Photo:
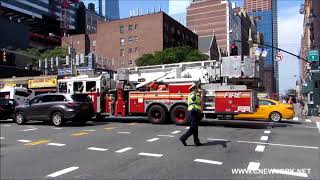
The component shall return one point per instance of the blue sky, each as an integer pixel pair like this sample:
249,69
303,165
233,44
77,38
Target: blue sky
289,32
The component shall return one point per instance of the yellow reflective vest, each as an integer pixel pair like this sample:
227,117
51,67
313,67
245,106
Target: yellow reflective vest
194,102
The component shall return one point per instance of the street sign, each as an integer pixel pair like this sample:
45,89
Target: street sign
313,55
279,56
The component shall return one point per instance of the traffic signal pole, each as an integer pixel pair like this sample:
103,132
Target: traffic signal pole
265,45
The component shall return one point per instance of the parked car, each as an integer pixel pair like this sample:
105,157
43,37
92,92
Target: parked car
57,108
270,110
7,107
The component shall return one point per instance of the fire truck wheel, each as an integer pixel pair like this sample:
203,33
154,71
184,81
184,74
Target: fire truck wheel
156,114
179,115
275,117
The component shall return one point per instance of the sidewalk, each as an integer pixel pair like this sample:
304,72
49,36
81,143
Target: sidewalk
315,118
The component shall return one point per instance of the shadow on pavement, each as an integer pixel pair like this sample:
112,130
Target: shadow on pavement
67,124
6,121
217,142
242,124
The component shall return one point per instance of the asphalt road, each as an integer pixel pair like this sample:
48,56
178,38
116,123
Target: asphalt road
135,149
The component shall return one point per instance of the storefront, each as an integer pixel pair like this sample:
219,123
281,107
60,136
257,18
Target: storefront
43,85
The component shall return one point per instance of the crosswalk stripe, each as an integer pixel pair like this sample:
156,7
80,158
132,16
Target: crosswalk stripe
124,150
153,139
97,149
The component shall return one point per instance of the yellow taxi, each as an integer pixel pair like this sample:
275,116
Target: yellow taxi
270,110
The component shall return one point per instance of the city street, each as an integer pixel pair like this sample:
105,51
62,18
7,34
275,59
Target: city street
136,149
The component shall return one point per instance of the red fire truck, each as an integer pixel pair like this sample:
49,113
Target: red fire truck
159,98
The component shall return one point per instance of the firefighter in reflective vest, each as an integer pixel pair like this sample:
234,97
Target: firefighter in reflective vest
194,108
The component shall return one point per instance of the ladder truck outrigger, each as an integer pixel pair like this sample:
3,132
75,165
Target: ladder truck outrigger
160,92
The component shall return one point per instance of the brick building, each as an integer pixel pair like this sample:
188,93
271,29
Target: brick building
119,43
216,17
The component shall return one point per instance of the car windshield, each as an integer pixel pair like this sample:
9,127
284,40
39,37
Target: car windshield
81,98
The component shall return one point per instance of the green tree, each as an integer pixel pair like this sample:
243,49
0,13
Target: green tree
171,55
41,53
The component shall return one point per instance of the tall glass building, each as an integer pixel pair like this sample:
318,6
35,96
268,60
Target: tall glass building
112,9
265,13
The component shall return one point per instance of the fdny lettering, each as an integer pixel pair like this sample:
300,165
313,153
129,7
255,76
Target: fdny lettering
232,94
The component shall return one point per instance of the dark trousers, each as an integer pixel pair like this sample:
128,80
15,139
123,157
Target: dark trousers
194,116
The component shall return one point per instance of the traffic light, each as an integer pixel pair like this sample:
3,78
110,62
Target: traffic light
234,50
4,53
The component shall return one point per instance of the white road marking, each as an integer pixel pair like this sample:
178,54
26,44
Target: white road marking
150,154
165,136
187,127
124,132
7,125
211,139
64,171
89,130
24,140
253,166
55,144
57,128
2,138
291,173
318,125
267,132
124,150
295,119
32,129
264,138
260,148
308,120
153,139
208,161
287,145
97,149
175,132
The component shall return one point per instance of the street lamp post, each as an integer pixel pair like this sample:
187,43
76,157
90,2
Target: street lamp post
71,52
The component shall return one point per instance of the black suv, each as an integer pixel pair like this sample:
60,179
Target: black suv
57,108
7,107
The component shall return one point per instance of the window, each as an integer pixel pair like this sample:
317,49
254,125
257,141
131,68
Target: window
62,87
130,62
135,26
178,31
77,86
121,41
122,62
90,86
130,50
48,98
265,103
130,27
135,38
130,39
121,29
136,49
36,100
22,93
121,52
60,98
172,30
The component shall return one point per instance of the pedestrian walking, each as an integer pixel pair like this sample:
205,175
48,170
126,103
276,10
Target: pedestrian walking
194,108
303,109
